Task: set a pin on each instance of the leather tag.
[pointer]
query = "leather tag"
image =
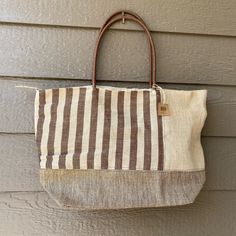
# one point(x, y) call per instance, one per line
point(163, 109)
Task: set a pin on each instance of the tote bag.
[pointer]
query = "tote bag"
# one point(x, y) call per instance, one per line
point(103, 147)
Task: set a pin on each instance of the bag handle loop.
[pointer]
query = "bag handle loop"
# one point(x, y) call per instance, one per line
point(123, 21)
point(126, 15)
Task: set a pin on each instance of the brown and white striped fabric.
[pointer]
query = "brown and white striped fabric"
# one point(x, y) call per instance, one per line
point(102, 128)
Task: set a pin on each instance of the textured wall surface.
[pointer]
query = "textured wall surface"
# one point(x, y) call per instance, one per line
point(48, 44)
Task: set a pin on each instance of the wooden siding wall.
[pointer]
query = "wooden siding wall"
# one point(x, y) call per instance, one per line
point(45, 44)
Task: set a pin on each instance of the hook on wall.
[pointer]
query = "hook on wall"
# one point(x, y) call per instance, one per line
point(123, 19)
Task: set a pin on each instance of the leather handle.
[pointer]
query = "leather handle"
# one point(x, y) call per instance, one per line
point(139, 18)
point(126, 15)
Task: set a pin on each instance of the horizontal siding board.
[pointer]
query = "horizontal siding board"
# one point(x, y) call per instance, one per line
point(19, 163)
point(17, 103)
point(201, 17)
point(220, 159)
point(213, 213)
point(50, 52)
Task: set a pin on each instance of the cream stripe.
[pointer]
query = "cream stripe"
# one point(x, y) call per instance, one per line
point(55, 161)
point(86, 129)
point(99, 133)
point(127, 131)
point(154, 131)
point(44, 142)
point(113, 130)
point(73, 121)
point(59, 126)
point(140, 138)
point(69, 161)
point(43, 161)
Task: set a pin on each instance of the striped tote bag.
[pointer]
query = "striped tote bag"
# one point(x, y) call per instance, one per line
point(103, 147)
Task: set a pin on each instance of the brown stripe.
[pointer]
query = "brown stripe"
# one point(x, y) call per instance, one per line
point(106, 130)
point(93, 129)
point(65, 128)
point(134, 130)
point(147, 130)
point(120, 130)
point(79, 128)
point(160, 136)
point(52, 127)
point(41, 117)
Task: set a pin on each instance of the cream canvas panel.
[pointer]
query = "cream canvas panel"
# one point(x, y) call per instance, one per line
point(182, 129)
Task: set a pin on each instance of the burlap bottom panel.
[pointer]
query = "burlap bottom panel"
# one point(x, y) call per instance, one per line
point(112, 189)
